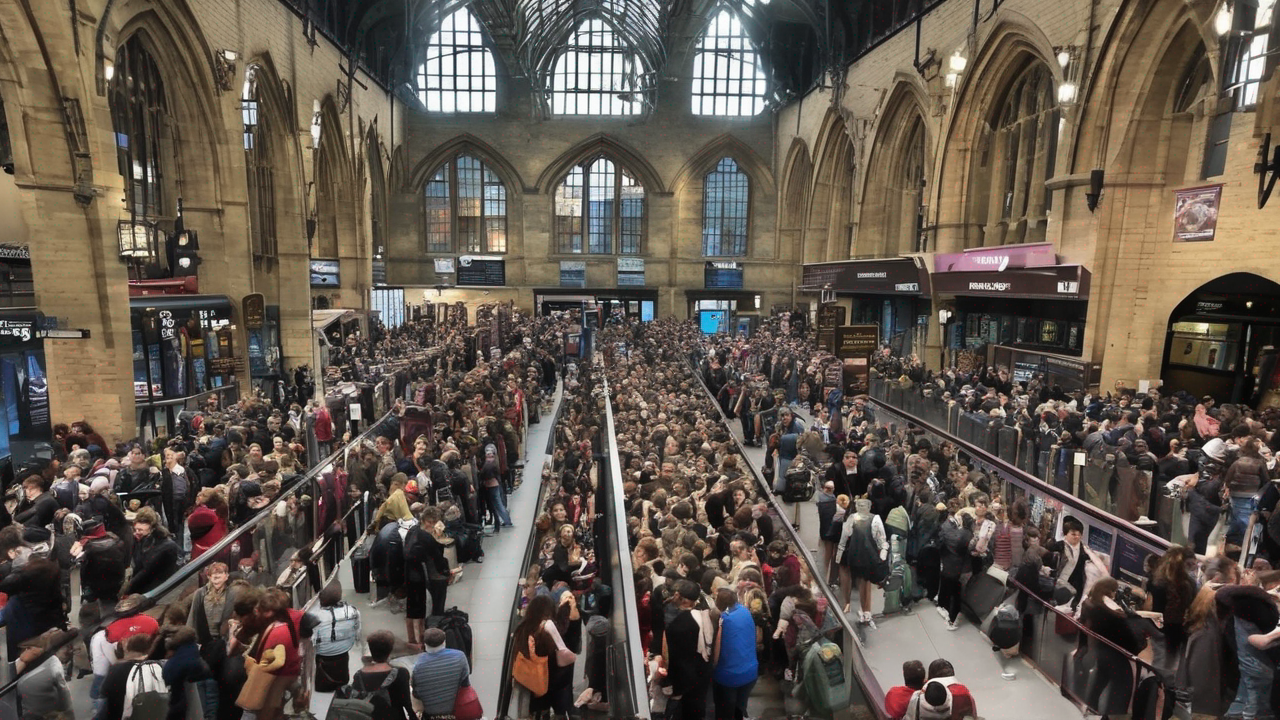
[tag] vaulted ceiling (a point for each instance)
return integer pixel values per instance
(799, 40)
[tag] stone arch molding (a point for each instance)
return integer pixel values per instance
(602, 144)
(905, 106)
(465, 144)
(797, 174)
(704, 161)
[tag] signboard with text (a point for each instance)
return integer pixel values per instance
(854, 345)
(898, 276)
(476, 271)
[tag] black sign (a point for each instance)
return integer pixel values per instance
(1128, 565)
(482, 272)
(855, 341)
(255, 311)
(886, 277)
(21, 330)
(723, 276)
(1064, 282)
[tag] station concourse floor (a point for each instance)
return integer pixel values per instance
(485, 591)
(922, 635)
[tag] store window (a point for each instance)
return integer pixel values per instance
(726, 201)
(600, 210)
(466, 208)
(181, 350)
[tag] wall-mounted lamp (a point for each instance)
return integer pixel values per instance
(1067, 93)
(315, 125)
(224, 68)
(1223, 20)
(958, 62)
(1064, 57)
(1094, 196)
(944, 314)
(757, 301)
(108, 69)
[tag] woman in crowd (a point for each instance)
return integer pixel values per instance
(397, 703)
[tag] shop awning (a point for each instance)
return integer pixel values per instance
(322, 319)
(891, 276)
(1062, 282)
(180, 302)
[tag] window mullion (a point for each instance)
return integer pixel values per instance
(615, 242)
(454, 242)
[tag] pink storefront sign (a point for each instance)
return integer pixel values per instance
(996, 259)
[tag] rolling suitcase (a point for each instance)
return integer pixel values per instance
(360, 566)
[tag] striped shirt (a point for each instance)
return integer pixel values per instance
(436, 678)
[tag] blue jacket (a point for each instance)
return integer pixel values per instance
(737, 665)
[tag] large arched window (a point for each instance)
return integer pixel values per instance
(727, 76)
(605, 204)
(458, 74)
(726, 205)
(597, 74)
(262, 206)
(139, 112)
(1019, 158)
(466, 208)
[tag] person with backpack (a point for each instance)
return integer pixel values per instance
(387, 559)
(120, 679)
(103, 561)
(378, 690)
(185, 666)
(333, 628)
(438, 674)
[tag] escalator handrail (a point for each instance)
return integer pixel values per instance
(625, 570)
(192, 568)
(864, 675)
(1075, 504)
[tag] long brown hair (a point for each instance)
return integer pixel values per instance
(539, 610)
(1172, 573)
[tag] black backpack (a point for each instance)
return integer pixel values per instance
(457, 630)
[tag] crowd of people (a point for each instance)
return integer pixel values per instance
(896, 503)
(172, 612)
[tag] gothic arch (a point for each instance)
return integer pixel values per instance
(336, 209)
(831, 209)
(898, 154)
(274, 100)
(1013, 45)
(174, 40)
(601, 144)
(797, 179)
(704, 161)
(468, 144)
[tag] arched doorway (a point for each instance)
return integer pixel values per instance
(1223, 340)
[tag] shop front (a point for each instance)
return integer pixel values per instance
(183, 353)
(25, 424)
(1222, 340)
(1015, 296)
(597, 305)
(892, 294)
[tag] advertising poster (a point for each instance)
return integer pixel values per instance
(1195, 213)
(1130, 557)
(24, 392)
(830, 317)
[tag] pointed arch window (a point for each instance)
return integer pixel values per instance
(597, 74)
(466, 208)
(262, 206)
(911, 210)
(726, 206)
(600, 210)
(458, 73)
(728, 79)
(139, 113)
(1019, 159)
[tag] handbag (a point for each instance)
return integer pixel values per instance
(253, 696)
(531, 671)
(467, 705)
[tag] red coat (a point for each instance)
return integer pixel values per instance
(201, 518)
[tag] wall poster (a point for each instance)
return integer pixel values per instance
(1195, 213)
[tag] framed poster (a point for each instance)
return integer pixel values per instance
(1195, 213)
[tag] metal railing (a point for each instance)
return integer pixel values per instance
(870, 696)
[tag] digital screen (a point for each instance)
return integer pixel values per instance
(713, 321)
(324, 273)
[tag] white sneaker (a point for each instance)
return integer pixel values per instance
(952, 626)
(943, 612)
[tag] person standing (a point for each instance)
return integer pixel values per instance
(734, 658)
(438, 674)
(377, 673)
(155, 554)
(687, 645)
(333, 627)
(954, 536)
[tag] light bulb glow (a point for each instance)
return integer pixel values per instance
(108, 70)
(1067, 92)
(1064, 57)
(1222, 21)
(958, 62)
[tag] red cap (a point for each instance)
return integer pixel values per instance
(125, 628)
